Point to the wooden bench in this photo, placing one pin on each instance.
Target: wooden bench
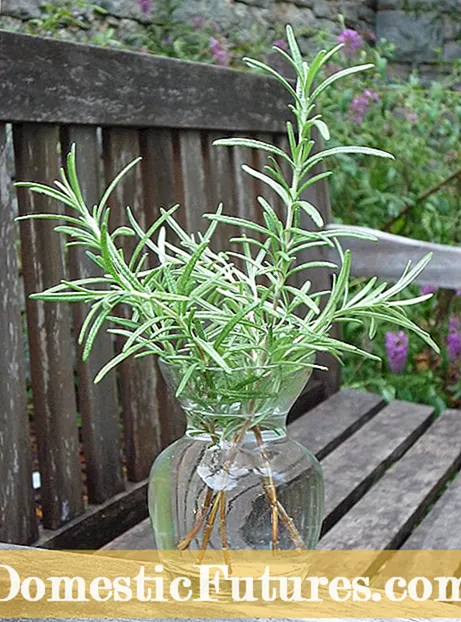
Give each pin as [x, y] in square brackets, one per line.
[386, 466]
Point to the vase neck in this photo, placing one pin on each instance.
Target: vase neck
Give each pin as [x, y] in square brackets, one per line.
[245, 428]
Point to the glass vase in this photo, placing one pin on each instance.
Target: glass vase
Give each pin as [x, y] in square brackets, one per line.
[236, 480]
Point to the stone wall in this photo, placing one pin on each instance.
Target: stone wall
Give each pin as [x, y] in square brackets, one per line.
[302, 14]
[243, 15]
[422, 30]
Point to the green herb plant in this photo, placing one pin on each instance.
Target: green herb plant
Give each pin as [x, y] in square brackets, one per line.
[230, 324]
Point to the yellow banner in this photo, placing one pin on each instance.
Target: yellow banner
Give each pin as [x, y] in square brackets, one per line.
[237, 584]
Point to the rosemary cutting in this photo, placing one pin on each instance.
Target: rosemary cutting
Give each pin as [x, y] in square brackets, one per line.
[231, 326]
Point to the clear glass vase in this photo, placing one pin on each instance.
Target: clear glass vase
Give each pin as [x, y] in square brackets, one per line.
[236, 480]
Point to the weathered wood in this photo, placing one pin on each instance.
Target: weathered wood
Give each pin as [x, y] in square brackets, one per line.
[388, 257]
[385, 516]
[100, 523]
[221, 189]
[162, 185]
[139, 538]
[17, 508]
[137, 376]
[98, 404]
[171, 415]
[440, 528]
[51, 356]
[161, 175]
[312, 396]
[193, 180]
[99, 86]
[258, 160]
[360, 461]
[330, 423]
[245, 186]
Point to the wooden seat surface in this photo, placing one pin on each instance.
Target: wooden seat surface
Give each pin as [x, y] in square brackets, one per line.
[391, 474]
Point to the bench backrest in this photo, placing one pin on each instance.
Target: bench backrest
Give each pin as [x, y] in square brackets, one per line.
[115, 106]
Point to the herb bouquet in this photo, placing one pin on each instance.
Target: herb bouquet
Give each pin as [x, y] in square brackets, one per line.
[235, 339]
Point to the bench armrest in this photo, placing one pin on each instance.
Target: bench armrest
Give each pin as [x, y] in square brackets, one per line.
[388, 257]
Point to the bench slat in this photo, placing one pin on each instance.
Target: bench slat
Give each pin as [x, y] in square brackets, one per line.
[51, 352]
[100, 522]
[244, 187]
[193, 180]
[360, 461]
[17, 509]
[138, 538]
[163, 187]
[384, 517]
[98, 404]
[327, 425]
[137, 376]
[218, 162]
[100, 86]
[440, 529]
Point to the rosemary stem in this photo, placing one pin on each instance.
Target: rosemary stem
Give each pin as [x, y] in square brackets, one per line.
[268, 484]
[291, 527]
[185, 542]
[209, 526]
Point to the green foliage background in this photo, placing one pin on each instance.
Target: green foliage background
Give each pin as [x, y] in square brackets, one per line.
[420, 124]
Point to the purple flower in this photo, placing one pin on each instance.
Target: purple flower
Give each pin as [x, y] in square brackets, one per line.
[358, 108]
[397, 351]
[458, 292]
[427, 289]
[454, 338]
[351, 40]
[371, 95]
[360, 105]
[282, 44]
[219, 51]
[145, 6]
